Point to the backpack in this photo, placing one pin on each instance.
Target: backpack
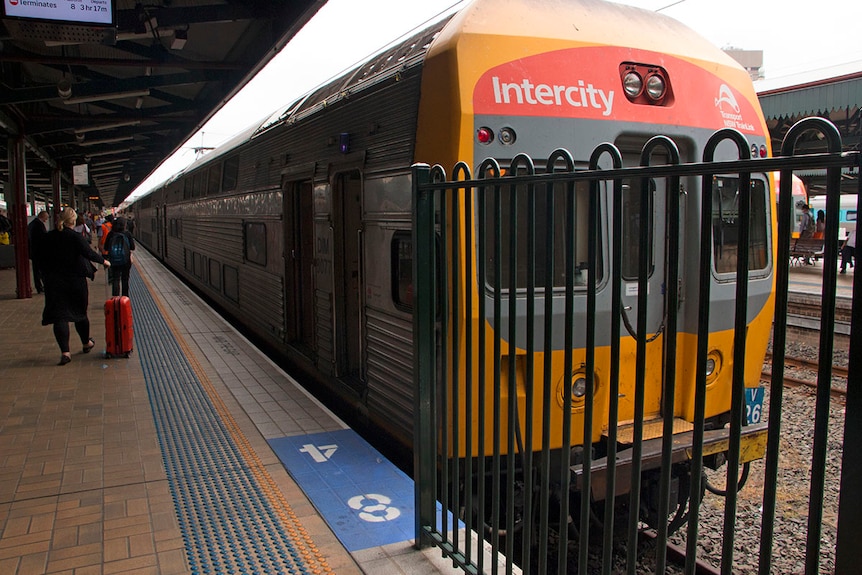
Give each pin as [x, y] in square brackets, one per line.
[118, 250]
[809, 225]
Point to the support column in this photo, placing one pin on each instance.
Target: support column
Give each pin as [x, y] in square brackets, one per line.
[57, 208]
[16, 200]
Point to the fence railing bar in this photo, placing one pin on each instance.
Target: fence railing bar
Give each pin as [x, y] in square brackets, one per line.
[452, 262]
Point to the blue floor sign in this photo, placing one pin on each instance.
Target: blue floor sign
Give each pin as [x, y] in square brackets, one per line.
[364, 498]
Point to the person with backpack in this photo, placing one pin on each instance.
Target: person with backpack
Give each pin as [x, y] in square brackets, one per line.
[806, 227]
[106, 229]
[119, 246]
[806, 222]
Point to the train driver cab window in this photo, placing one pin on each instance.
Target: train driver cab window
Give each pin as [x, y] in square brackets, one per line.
[725, 224]
[520, 230]
[254, 240]
[631, 243]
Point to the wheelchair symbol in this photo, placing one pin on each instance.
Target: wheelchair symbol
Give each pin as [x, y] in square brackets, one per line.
[374, 508]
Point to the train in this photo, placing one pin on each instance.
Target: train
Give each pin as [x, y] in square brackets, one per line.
[846, 212]
[300, 227]
[800, 198]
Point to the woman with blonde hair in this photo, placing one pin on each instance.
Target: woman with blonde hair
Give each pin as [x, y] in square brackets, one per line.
[67, 267]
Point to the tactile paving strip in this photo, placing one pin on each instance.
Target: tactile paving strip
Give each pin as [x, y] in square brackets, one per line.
[232, 517]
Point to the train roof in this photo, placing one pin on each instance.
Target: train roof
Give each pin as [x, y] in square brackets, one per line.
[385, 64]
[586, 21]
[400, 55]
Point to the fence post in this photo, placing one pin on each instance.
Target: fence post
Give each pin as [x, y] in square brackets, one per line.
[425, 359]
[847, 554]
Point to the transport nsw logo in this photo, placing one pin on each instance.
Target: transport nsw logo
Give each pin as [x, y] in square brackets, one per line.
[582, 95]
[730, 111]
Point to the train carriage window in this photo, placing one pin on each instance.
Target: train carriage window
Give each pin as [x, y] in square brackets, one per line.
[521, 229]
[401, 267]
[725, 224]
[198, 265]
[187, 188]
[402, 270]
[230, 174]
[174, 228]
[198, 184]
[215, 274]
[214, 180]
[254, 240]
[230, 277]
[631, 242]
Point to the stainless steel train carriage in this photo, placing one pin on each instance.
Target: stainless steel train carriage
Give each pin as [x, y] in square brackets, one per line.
[300, 228]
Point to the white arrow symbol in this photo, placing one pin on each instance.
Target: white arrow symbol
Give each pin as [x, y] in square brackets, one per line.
[319, 454]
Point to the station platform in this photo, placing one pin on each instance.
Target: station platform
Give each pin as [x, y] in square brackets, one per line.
[197, 454]
[808, 280]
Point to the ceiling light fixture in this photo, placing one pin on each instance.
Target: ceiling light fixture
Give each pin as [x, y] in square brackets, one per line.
[110, 126]
[104, 163]
[108, 140]
[180, 39]
[64, 88]
[106, 153]
[106, 96]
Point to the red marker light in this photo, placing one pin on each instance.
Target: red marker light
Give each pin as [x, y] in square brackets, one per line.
[762, 151]
[484, 135]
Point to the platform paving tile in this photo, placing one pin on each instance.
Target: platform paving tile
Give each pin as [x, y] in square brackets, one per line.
[83, 488]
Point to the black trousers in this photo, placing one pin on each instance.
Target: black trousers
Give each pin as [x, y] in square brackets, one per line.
[848, 253]
[37, 277]
[61, 333]
[120, 280]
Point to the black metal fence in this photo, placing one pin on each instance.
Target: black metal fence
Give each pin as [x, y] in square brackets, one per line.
[500, 483]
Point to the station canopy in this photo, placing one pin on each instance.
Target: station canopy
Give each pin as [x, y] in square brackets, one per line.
[121, 89]
[838, 99]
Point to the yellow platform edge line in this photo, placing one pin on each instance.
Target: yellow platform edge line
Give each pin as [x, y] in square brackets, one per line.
[293, 524]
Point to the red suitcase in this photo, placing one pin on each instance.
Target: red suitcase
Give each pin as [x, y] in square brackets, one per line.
[118, 326]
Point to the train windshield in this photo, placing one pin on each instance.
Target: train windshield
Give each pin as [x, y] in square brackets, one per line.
[631, 243]
[499, 220]
[725, 224]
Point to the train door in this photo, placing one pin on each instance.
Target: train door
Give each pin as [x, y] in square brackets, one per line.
[349, 318]
[163, 231]
[299, 260]
[656, 312]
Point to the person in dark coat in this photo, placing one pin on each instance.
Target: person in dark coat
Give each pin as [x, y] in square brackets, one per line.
[36, 232]
[66, 267]
[119, 273]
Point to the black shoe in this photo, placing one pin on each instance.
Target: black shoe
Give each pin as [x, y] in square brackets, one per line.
[91, 343]
[64, 359]
[842, 272]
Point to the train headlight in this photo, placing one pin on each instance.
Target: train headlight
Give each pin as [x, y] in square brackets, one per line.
[633, 84]
[507, 136]
[713, 366]
[579, 387]
[710, 366]
[655, 87]
[646, 84]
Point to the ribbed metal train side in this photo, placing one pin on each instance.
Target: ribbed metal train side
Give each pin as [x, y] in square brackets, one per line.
[209, 252]
[365, 137]
[382, 153]
[389, 326]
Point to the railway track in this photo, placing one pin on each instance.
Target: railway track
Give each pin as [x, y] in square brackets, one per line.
[812, 368]
[677, 556]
